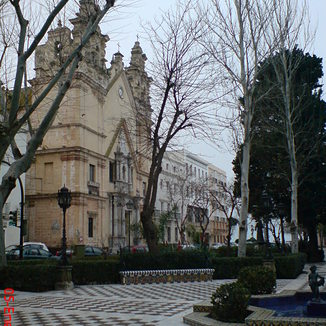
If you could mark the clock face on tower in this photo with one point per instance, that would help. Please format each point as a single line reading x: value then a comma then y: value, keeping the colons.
x: 120, y: 92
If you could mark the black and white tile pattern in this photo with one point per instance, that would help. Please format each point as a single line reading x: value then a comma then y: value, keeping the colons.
x: 113, y: 304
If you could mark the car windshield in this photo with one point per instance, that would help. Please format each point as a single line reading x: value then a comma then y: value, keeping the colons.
x: 36, y: 246
x: 97, y: 251
x: 14, y: 252
x: 36, y: 252
x: 13, y: 247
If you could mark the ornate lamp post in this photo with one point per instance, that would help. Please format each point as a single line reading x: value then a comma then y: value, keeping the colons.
x: 130, y: 206
x: 64, y: 201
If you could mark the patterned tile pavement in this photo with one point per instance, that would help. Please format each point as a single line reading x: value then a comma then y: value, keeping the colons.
x: 125, y: 305
x: 113, y: 305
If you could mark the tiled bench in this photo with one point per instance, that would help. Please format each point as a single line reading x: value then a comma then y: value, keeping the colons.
x: 166, y: 276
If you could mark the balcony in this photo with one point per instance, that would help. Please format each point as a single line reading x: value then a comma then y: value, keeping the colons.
x: 93, y: 188
x: 122, y: 187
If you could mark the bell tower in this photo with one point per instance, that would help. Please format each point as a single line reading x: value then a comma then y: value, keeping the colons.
x: 138, y: 79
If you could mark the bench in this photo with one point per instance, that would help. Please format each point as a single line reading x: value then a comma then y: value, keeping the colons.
x: 166, y: 276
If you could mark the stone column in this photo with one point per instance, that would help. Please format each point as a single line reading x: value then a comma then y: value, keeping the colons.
x: 123, y: 222
x: 137, y: 212
x: 116, y: 217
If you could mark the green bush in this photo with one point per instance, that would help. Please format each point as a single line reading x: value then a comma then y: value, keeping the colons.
x: 258, y: 279
x: 35, y: 276
x: 33, y: 262
x: 230, y: 302
x: 184, y: 259
x: 252, y: 250
x: 289, y: 266
x: 95, y: 271
x: 229, y: 267
x: 28, y: 277
x: 225, y: 251
x: 313, y: 254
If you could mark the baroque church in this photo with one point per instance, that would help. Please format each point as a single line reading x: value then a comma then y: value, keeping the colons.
x: 97, y: 145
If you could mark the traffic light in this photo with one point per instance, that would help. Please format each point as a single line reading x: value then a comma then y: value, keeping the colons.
x: 13, y: 216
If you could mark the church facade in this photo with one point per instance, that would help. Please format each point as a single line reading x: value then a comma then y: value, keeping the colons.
x: 97, y: 145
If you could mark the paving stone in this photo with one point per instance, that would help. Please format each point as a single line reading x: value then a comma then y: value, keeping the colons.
x: 115, y: 304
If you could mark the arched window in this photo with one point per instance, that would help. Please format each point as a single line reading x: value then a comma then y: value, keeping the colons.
x: 123, y: 173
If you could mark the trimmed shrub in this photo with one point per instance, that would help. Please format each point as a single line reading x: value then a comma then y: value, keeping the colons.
x: 225, y: 251
x: 289, y: 266
x: 230, y: 302
x: 95, y: 271
x: 229, y: 267
x: 314, y: 255
x: 252, y: 250
x: 28, y: 277
x: 36, y: 276
x: 165, y: 260
x: 257, y: 279
x: 51, y: 262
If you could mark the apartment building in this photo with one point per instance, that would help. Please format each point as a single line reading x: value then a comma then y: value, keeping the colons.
x: 183, y: 195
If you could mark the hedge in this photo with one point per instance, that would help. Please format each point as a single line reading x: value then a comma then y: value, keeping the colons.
x: 95, y: 271
x: 258, y: 279
x: 186, y: 259
x: 36, y: 276
x: 28, y: 277
x: 289, y: 266
x: 229, y: 267
x: 41, y: 275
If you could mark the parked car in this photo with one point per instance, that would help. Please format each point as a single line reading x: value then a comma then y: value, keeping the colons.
x: 69, y: 253
x: 217, y: 245
x: 12, y: 247
x: 39, y: 245
x: 30, y: 253
x: 139, y: 248
x: 189, y: 247
x: 93, y: 251
x: 135, y: 248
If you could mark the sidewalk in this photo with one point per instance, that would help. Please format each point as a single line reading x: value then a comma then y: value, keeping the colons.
x: 125, y: 305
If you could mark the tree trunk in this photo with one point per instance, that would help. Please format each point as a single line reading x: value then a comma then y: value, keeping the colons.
x: 294, y: 210
x: 149, y: 231
x: 244, y: 199
x: 3, y: 259
x: 182, y: 235
x: 313, y: 242
x: 229, y: 233
x: 294, y: 175
x: 282, y: 235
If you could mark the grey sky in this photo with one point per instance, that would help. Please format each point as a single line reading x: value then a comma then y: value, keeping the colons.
x: 125, y: 29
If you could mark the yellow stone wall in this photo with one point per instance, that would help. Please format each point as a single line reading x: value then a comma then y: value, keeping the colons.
x: 83, y: 133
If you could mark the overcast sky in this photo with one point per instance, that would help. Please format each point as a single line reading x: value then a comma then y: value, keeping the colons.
x: 127, y: 26
x: 124, y: 29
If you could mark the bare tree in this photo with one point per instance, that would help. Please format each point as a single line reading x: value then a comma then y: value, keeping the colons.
x: 224, y: 200
x: 179, y: 96
x: 17, y: 105
x: 203, y: 206
x: 178, y: 195
x: 236, y: 39
x: 291, y: 27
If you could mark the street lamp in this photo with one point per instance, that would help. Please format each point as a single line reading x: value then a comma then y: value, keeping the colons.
x: 64, y: 201
x: 130, y: 206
